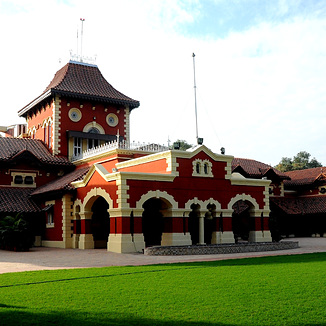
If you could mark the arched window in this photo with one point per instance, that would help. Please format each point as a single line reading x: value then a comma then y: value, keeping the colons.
x: 93, y: 130
x: 18, y: 179
x: 198, y: 167
x: 93, y: 142
x: 29, y: 180
x: 50, y: 135
x: 45, y: 134
x: 206, y: 168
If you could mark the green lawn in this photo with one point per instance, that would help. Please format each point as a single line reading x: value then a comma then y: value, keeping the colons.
x: 283, y: 290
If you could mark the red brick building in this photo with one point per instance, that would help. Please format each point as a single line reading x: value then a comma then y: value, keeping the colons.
x: 92, y: 188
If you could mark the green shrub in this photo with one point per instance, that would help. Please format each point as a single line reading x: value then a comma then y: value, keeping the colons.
x: 15, y: 233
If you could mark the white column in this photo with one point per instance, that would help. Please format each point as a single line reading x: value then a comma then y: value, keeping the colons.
x: 201, y: 228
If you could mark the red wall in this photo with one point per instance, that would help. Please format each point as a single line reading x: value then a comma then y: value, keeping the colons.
x: 158, y: 166
x: 55, y: 233
x: 88, y: 115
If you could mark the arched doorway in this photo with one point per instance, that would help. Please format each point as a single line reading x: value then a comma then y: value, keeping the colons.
x: 210, y: 223
x: 152, y: 221
x: 193, y: 224
x: 242, y: 222
x: 100, y: 224
x: 77, y: 227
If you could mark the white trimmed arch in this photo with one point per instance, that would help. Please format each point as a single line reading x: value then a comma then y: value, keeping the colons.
x: 47, y: 121
x: 243, y: 197
x: 196, y: 201
x: 77, y: 203
x: 93, y: 194
x: 156, y: 194
x: 94, y: 124
x: 212, y: 201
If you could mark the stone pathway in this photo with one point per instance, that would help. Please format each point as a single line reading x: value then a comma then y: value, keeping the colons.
x: 53, y: 258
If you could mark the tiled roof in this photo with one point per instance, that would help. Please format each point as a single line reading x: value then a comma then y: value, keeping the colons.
x: 256, y: 170
x: 85, y: 81
x: 305, y: 177
x: 12, y: 148
x: 301, y: 205
x: 17, y: 200
x: 62, y: 184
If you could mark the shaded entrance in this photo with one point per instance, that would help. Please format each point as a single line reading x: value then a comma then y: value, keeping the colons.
x: 210, y: 223
x: 152, y: 221
x: 242, y: 223
x: 100, y: 225
x: 194, y: 216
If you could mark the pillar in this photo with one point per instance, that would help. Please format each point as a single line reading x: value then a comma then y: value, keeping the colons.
x: 66, y: 221
x: 261, y: 233
x: 126, y: 236
x: 176, y: 229
x: 86, y: 240
x: 223, y: 233
x: 201, y: 228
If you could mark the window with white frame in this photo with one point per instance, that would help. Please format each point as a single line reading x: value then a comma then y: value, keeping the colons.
x: 49, y: 212
x: 93, y: 142
x: 202, y: 168
x: 50, y: 220
x: 77, y: 146
x: 23, y: 179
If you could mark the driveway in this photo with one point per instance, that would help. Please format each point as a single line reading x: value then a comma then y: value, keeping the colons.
x: 52, y: 258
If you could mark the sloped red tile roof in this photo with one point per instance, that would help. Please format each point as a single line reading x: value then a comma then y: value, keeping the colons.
x: 305, y: 177
x: 12, y: 148
x: 84, y: 81
x: 17, y: 200
x: 62, y: 184
x: 301, y: 205
x: 256, y: 170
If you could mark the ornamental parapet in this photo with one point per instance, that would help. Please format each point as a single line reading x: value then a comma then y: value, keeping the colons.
x: 134, y: 146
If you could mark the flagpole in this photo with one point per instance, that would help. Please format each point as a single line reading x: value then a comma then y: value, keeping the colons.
x: 193, y: 59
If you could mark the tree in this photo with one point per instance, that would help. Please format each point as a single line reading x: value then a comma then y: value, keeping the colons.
x: 184, y: 145
x: 299, y: 162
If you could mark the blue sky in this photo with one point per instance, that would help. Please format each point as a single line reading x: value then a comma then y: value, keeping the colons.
x: 216, y: 19
x: 260, y: 67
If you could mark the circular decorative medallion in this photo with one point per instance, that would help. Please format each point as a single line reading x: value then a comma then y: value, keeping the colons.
x: 74, y: 115
x: 112, y: 120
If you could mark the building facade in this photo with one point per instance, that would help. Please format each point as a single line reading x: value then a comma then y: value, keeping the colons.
x: 95, y: 189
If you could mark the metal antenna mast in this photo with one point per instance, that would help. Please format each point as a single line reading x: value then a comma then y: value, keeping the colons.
x: 193, y: 60
x: 81, y: 39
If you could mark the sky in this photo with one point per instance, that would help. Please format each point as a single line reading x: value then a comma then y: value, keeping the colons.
x: 260, y: 67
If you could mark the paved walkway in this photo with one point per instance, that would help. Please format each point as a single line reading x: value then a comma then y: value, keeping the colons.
x: 52, y: 258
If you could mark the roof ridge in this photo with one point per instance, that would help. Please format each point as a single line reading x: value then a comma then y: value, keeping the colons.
x: 58, y: 78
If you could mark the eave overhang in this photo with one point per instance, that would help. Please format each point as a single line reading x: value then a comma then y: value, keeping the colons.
x: 52, y: 92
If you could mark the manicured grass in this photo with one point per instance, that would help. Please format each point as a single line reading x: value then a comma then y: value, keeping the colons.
x: 283, y: 290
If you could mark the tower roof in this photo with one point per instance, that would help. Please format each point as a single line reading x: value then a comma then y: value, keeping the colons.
x: 83, y: 81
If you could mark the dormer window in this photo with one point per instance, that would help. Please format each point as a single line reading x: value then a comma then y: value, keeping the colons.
x: 29, y: 180
x: 23, y: 179
x: 18, y: 179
